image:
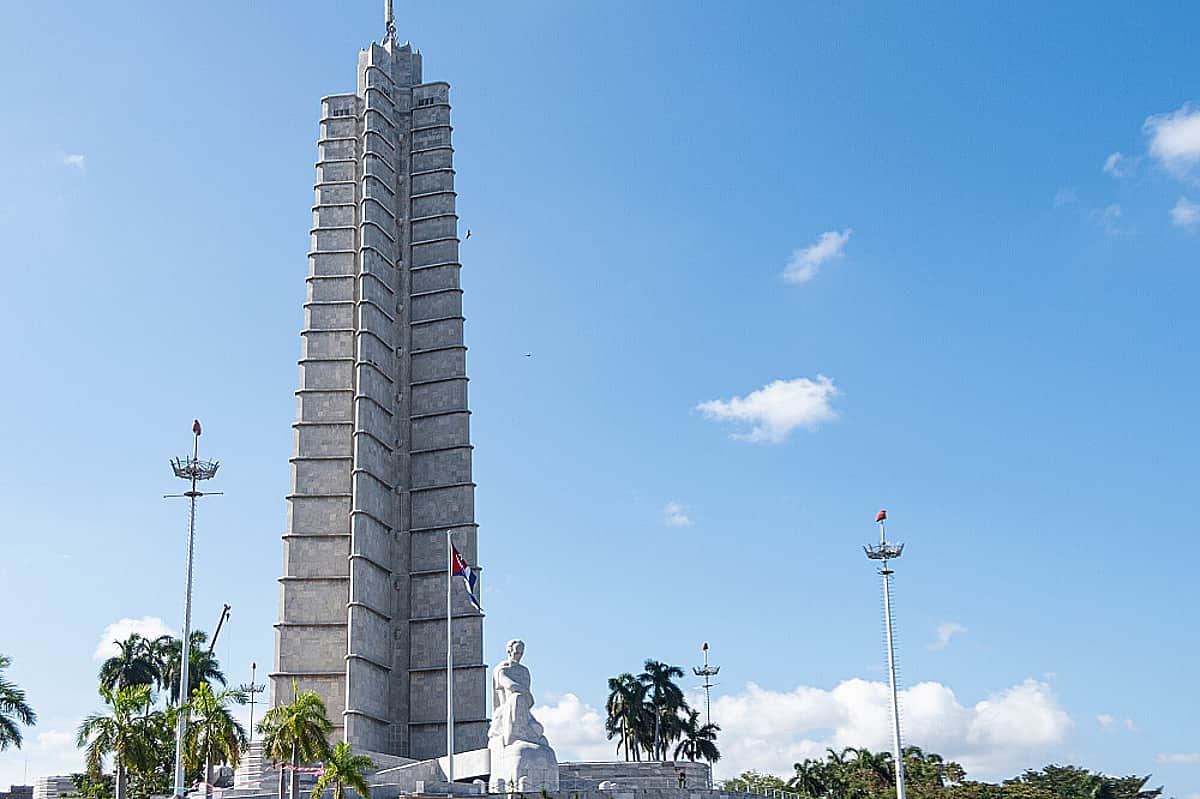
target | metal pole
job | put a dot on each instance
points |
(707, 672)
(253, 689)
(185, 645)
(220, 624)
(253, 666)
(449, 662)
(886, 573)
(887, 612)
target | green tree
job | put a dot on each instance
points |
(665, 703)
(699, 740)
(870, 773)
(213, 735)
(202, 664)
(927, 773)
(625, 705)
(344, 769)
(127, 733)
(13, 709)
(809, 779)
(99, 788)
(297, 732)
(754, 782)
(1073, 782)
(134, 664)
(157, 776)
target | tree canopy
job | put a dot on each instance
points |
(14, 710)
(647, 713)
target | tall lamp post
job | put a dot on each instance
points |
(884, 552)
(251, 689)
(193, 470)
(707, 672)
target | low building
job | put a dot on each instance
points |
(53, 787)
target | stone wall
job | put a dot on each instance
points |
(646, 776)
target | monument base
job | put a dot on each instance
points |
(523, 766)
(653, 775)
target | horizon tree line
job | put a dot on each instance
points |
(860, 773)
(135, 732)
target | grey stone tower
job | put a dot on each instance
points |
(382, 464)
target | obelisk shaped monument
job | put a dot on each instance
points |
(382, 459)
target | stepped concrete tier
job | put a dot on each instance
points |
(382, 459)
(644, 776)
(473, 773)
(255, 771)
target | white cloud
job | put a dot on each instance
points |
(1175, 139)
(807, 261)
(575, 730)
(1118, 165)
(1109, 219)
(147, 627)
(76, 160)
(770, 730)
(1178, 758)
(675, 515)
(945, 631)
(1108, 723)
(1066, 196)
(50, 752)
(778, 408)
(1185, 213)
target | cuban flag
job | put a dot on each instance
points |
(460, 568)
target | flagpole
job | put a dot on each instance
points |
(449, 662)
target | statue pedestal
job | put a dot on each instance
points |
(523, 766)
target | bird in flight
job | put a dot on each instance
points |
(529, 355)
(468, 234)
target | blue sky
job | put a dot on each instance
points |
(895, 243)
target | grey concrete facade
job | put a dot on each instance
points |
(382, 455)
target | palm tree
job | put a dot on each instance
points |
(877, 767)
(297, 731)
(666, 699)
(134, 664)
(624, 706)
(126, 733)
(13, 709)
(344, 769)
(809, 779)
(202, 664)
(274, 746)
(699, 740)
(214, 734)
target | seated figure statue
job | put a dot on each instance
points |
(522, 759)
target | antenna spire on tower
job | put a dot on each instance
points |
(389, 20)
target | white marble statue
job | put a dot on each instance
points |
(522, 759)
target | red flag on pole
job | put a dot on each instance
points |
(196, 426)
(881, 516)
